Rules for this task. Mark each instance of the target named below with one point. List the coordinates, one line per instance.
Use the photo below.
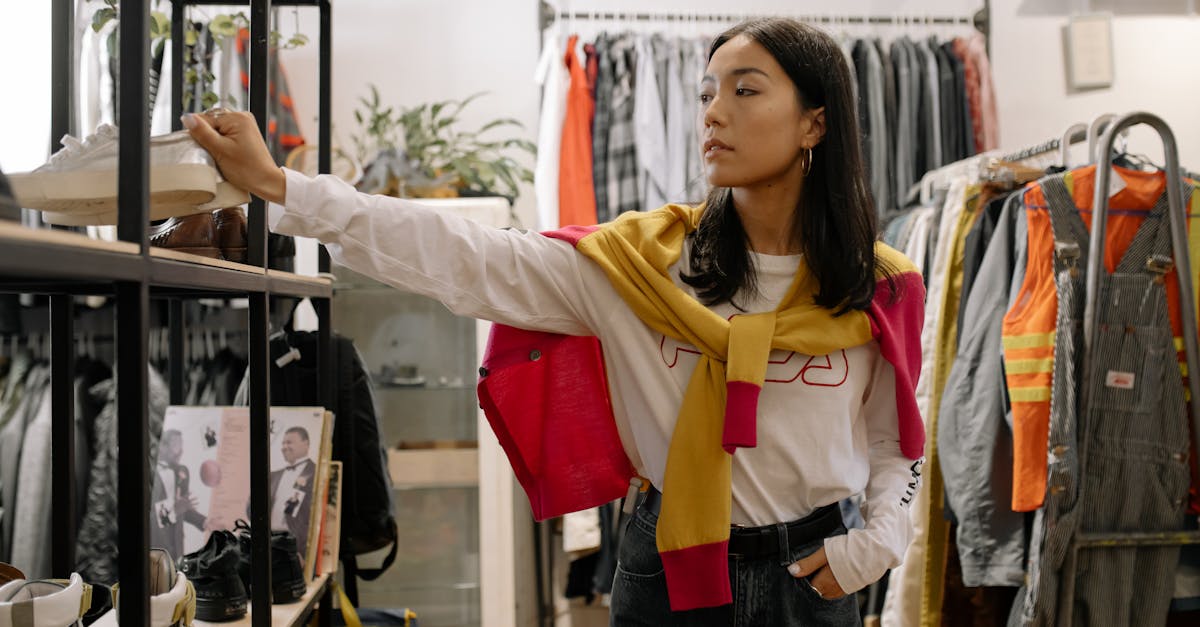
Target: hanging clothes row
(618, 127)
(26, 464)
(1002, 247)
(214, 372)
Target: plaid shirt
(600, 124)
(623, 176)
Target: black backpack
(368, 512)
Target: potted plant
(419, 152)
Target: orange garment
(576, 195)
(1029, 326)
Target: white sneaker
(172, 596)
(44, 602)
(78, 186)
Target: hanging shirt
(982, 95)
(552, 76)
(695, 60)
(624, 178)
(931, 109)
(975, 439)
(649, 122)
(907, 585)
(600, 124)
(576, 196)
(906, 139)
(680, 116)
(31, 539)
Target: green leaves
(223, 26)
(160, 24)
(102, 17)
(429, 136)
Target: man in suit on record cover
(292, 486)
(172, 502)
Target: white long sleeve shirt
(827, 425)
(552, 75)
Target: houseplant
(420, 151)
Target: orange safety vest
(1029, 326)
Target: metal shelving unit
(63, 265)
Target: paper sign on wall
(1089, 49)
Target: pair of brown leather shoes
(217, 235)
(9, 573)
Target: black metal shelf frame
(133, 275)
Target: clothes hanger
(1068, 138)
(1095, 129)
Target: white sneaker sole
(79, 198)
(227, 196)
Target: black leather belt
(770, 540)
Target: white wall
(1156, 44)
(420, 51)
(25, 72)
(424, 50)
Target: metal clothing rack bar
(1095, 269)
(1045, 147)
(1074, 135)
(548, 14)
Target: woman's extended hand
(822, 580)
(232, 138)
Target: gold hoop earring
(808, 160)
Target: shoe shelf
(289, 615)
(64, 264)
(41, 260)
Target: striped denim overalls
(1134, 432)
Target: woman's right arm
(521, 279)
(524, 280)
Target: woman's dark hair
(835, 219)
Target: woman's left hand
(822, 581)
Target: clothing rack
(549, 14)
(1073, 136)
(1177, 214)
(63, 265)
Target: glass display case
(423, 362)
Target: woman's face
(753, 129)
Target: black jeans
(764, 593)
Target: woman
(760, 350)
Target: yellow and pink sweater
(546, 394)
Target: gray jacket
(975, 426)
